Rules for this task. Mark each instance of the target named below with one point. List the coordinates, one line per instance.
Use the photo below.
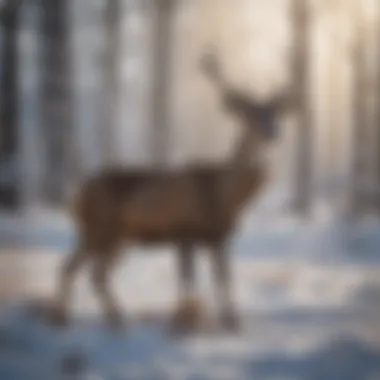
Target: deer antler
(210, 65)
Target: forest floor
(300, 320)
(308, 295)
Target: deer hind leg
(58, 313)
(188, 313)
(223, 282)
(100, 280)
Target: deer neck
(245, 175)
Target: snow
(270, 348)
(308, 295)
(260, 235)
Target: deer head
(259, 118)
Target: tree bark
(56, 99)
(359, 133)
(304, 119)
(161, 77)
(9, 97)
(113, 13)
(377, 117)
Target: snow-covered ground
(260, 235)
(308, 295)
(271, 347)
(299, 321)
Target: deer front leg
(101, 269)
(223, 286)
(187, 316)
(57, 315)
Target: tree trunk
(161, 77)
(304, 120)
(377, 117)
(113, 13)
(359, 140)
(56, 99)
(9, 174)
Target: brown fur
(198, 204)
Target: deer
(195, 205)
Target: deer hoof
(230, 322)
(115, 320)
(57, 317)
(188, 317)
